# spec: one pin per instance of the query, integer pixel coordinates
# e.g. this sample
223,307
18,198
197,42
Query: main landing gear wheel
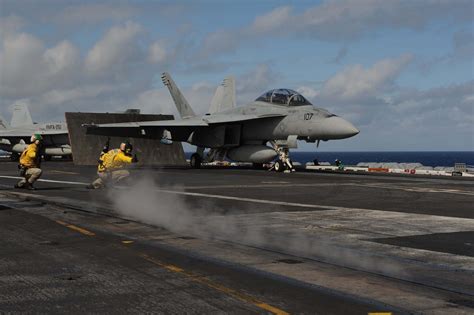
279,166
196,161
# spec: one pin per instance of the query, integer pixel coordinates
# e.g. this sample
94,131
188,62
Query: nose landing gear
283,163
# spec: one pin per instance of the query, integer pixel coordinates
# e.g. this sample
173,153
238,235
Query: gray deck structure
150,152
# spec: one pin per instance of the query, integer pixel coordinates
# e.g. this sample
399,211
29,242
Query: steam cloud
144,202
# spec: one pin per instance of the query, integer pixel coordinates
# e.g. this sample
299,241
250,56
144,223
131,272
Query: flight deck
235,240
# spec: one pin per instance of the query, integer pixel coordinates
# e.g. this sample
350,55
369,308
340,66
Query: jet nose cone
341,128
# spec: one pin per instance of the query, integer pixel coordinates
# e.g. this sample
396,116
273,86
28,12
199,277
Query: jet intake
253,153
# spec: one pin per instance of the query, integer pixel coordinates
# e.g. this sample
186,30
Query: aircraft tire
279,166
195,161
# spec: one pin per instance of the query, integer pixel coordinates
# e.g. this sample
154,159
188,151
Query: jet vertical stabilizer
179,100
217,100
224,98
3,123
229,93
21,116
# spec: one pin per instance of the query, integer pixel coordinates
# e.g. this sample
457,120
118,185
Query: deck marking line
76,228
195,194
218,287
381,186
48,180
63,172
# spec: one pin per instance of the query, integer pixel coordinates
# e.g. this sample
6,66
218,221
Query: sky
401,71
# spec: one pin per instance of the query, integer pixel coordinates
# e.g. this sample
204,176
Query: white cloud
117,48
308,92
54,79
356,82
28,68
61,58
57,97
20,64
157,53
271,21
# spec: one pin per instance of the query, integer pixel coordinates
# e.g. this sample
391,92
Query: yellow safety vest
112,160
29,157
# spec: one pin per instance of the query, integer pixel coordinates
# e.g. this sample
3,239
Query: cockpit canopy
283,97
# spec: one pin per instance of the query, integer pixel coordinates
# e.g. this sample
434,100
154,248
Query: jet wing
192,122
231,118
144,129
154,129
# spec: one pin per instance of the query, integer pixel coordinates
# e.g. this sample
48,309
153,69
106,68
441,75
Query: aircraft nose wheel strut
283,163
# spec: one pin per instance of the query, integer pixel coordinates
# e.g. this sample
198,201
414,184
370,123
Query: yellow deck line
76,228
218,287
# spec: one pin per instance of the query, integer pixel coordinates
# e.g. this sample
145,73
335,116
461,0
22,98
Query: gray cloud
349,20
343,20
463,44
94,13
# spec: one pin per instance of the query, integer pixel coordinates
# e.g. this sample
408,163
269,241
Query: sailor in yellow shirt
111,166
30,163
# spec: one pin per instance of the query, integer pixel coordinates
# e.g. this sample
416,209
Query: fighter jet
14,137
257,132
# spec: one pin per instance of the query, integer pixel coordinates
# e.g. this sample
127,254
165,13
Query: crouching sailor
30,163
111,168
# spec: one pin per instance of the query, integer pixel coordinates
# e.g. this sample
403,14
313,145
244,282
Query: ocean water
427,158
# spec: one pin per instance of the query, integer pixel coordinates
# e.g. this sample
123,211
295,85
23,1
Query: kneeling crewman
30,163
111,166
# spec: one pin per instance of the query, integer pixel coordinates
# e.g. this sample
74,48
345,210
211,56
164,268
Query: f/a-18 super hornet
15,137
257,132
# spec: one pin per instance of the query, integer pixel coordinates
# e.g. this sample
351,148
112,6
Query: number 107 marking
308,116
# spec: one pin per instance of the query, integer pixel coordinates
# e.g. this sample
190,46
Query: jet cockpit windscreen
285,97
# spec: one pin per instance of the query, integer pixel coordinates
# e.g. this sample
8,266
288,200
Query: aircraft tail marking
180,101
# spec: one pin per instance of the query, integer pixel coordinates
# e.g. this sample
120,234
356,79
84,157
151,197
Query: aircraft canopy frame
284,97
